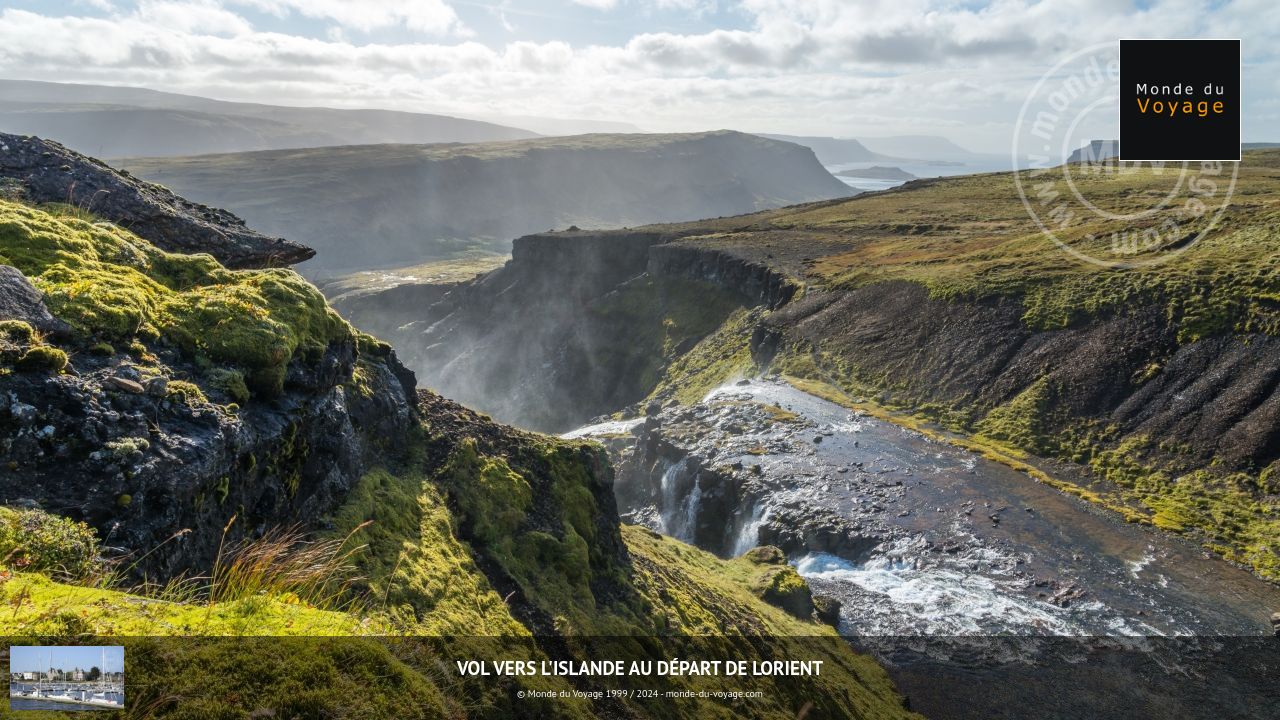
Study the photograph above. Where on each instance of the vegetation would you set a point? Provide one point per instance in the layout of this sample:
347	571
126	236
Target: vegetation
716	359
968	238
39	542
42	358
112	286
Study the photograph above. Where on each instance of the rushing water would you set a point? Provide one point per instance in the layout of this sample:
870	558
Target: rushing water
983	592
975	548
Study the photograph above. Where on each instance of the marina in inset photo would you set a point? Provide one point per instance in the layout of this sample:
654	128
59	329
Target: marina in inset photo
66	677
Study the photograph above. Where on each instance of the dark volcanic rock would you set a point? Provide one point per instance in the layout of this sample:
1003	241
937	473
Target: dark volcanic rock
142	466
48	172
20	300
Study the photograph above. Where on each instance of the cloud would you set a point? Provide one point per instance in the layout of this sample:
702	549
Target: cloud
801	66
426	16
192	16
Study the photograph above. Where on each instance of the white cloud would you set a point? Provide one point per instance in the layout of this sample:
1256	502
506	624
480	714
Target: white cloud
426	16
597	4
192	16
800	66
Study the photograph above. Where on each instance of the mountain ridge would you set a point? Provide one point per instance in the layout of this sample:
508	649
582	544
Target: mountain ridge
111	121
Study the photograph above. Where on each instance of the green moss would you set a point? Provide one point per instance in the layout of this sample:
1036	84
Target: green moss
102	349
231	382
111	285
18	331
490	496
783	587
719	357
128	447
185	392
35	605
37	541
1023	420
414	565
370	345
42	358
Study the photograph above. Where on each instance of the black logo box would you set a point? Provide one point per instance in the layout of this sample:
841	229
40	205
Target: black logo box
1180	65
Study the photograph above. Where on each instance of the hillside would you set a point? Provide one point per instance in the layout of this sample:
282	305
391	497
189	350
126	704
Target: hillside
108	121
1150	391
198	451
365	207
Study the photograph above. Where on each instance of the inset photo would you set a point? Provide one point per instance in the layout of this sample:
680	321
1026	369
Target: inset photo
66	677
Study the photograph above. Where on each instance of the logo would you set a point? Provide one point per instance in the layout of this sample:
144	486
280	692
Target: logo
1098	208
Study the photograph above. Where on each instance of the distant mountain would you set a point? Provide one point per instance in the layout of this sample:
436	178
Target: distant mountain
563	126
831	151
1096	151
919	147
380	206
878	172
108	121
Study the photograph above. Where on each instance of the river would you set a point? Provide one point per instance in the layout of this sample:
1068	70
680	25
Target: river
922	540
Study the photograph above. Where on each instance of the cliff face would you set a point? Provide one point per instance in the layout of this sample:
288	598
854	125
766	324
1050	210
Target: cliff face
388	205
576	324
148	393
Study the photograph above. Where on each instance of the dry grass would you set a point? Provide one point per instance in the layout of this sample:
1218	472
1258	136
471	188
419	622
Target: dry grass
284	563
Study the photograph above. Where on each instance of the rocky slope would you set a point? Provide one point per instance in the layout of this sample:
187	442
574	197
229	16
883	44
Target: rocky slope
1151	391
188	450
382	206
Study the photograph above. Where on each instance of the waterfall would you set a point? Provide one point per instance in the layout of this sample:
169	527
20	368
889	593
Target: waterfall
670	492
749	534
689	527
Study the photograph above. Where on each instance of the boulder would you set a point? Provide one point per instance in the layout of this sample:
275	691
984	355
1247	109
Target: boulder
20	300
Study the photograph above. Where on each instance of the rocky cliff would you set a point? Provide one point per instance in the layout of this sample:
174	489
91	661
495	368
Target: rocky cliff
148	393
576	324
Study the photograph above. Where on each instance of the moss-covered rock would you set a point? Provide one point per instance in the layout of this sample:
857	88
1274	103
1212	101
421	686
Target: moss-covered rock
111	285
42	358
17	331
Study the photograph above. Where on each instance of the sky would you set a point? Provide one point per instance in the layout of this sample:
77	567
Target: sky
32	658
839	68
